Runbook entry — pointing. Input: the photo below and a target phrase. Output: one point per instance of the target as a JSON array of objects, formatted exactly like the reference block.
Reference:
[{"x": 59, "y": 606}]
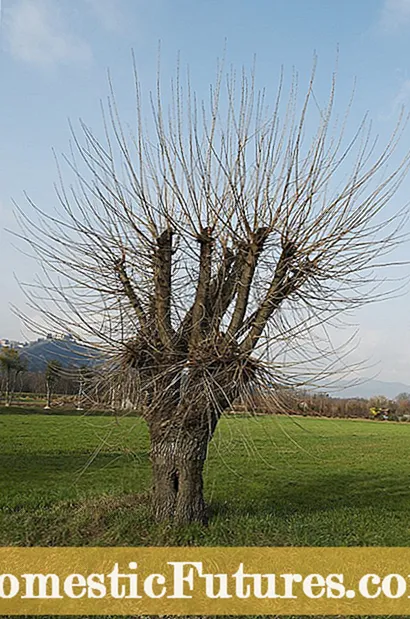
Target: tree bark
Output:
[
  {"x": 190, "y": 504},
  {"x": 181, "y": 424},
  {"x": 165, "y": 486},
  {"x": 177, "y": 467}
]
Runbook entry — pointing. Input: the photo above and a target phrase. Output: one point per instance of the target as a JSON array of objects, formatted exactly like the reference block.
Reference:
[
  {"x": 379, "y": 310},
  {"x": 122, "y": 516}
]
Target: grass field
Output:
[
  {"x": 75, "y": 480},
  {"x": 269, "y": 481}
]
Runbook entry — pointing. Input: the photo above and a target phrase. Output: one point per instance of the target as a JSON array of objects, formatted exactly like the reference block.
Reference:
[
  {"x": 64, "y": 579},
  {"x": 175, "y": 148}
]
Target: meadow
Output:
[{"x": 79, "y": 480}]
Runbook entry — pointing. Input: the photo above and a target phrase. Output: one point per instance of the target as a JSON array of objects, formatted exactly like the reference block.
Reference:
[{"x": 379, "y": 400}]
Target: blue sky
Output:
[{"x": 53, "y": 66}]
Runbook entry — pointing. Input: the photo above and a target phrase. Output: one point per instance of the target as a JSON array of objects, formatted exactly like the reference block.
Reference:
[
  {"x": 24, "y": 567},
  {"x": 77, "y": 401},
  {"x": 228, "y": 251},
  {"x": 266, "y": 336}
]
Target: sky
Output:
[{"x": 54, "y": 58}]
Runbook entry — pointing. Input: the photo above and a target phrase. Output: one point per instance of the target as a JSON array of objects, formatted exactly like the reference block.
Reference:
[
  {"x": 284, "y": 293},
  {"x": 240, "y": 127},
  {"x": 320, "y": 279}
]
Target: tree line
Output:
[
  {"x": 16, "y": 379},
  {"x": 81, "y": 385}
]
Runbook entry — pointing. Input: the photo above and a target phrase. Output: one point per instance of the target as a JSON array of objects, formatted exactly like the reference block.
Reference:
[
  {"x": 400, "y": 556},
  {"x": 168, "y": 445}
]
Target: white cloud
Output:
[
  {"x": 107, "y": 12},
  {"x": 395, "y": 14},
  {"x": 36, "y": 33}
]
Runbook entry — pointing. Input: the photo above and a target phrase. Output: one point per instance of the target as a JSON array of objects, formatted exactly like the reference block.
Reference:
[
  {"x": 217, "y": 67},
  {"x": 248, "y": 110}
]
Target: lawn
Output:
[
  {"x": 75, "y": 480},
  {"x": 269, "y": 481}
]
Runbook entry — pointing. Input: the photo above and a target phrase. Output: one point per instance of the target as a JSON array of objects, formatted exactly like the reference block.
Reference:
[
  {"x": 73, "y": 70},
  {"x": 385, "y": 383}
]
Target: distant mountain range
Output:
[
  {"x": 371, "y": 387},
  {"x": 68, "y": 352}
]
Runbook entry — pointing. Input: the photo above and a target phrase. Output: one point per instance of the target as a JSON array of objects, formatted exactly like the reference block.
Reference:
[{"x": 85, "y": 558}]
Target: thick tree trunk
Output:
[
  {"x": 165, "y": 487},
  {"x": 181, "y": 427},
  {"x": 190, "y": 505},
  {"x": 178, "y": 478}
]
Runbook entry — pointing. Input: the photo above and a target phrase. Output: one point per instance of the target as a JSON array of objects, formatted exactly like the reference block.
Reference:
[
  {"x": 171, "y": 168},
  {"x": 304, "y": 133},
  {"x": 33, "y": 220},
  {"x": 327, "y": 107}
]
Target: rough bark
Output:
[
  {"x": 181, "y": 426},
  {"x": 202, "y": 291},
  {"x": 177, "y": 467},
  {"x": 162, "y": 279},
  {"x": 221, "y": 292},
  {"x": 253, "y": 252},
  {"x": 165, "y": 485}
]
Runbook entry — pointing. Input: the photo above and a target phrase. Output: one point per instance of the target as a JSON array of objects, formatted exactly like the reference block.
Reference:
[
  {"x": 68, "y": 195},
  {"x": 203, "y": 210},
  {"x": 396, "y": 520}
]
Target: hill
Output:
[
  {"x": 67, "y": 351},
  {"x": 371, "y": 387}
]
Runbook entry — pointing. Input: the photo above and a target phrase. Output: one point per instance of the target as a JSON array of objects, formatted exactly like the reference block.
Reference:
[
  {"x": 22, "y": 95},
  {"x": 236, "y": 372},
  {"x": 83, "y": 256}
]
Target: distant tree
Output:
[
  {"x": 403, "y": 403},
  {"x": 379, "y": 401},
  {"x": 12, "y": 365},
  {"x": 52, "y": 375},
  {"x": 32, "y": 382},
  {"x": 84, "y": 376}
]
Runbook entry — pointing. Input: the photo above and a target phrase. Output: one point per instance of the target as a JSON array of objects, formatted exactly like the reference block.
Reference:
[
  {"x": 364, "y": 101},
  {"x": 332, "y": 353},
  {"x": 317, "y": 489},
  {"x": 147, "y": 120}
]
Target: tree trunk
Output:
[
  {"x": 7, "y": 394},
  {"x": 48, "y": 397},
  {"x": 181, "y": 427},
  {"x": 178, "y": 478},
  {"x": 190, "y": 505}
]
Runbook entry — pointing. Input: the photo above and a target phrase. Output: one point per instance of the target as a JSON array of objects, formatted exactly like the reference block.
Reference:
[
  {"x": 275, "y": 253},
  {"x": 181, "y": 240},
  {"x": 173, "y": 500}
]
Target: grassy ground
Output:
[
  {"x": 269, "y": 481},
  {"x": 36, "y": 408},
  {"x": 74, "y": 480}
]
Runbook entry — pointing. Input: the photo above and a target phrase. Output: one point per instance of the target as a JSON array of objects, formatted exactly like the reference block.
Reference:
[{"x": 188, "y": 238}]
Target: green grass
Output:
[
  {"x": 21, "y": 408},
  {"x": 269, "y": 481},
  {"x": 75, "y": 480}
]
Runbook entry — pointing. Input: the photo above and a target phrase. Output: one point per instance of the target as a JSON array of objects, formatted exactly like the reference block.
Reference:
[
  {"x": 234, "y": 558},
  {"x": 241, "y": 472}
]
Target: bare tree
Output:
[
  {"x": 204, "y": 250},
  {"x": 52, "y": 374},
  {"x": 12, "y": 366}
]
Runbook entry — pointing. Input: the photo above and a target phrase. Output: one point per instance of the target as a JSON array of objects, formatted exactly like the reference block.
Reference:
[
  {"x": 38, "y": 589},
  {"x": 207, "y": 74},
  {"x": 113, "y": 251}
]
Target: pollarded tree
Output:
[{"x": 204, "y": 251}]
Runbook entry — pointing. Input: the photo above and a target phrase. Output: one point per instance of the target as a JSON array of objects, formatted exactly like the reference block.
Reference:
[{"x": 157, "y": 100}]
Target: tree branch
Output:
[
  {"x": 202, "y": 291},
  {"x": 244, "y": 286},
  {"x": 129, "y": 290},
  {"x": 162, "y": 279},
  {"x": 284, "y": 282}
]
